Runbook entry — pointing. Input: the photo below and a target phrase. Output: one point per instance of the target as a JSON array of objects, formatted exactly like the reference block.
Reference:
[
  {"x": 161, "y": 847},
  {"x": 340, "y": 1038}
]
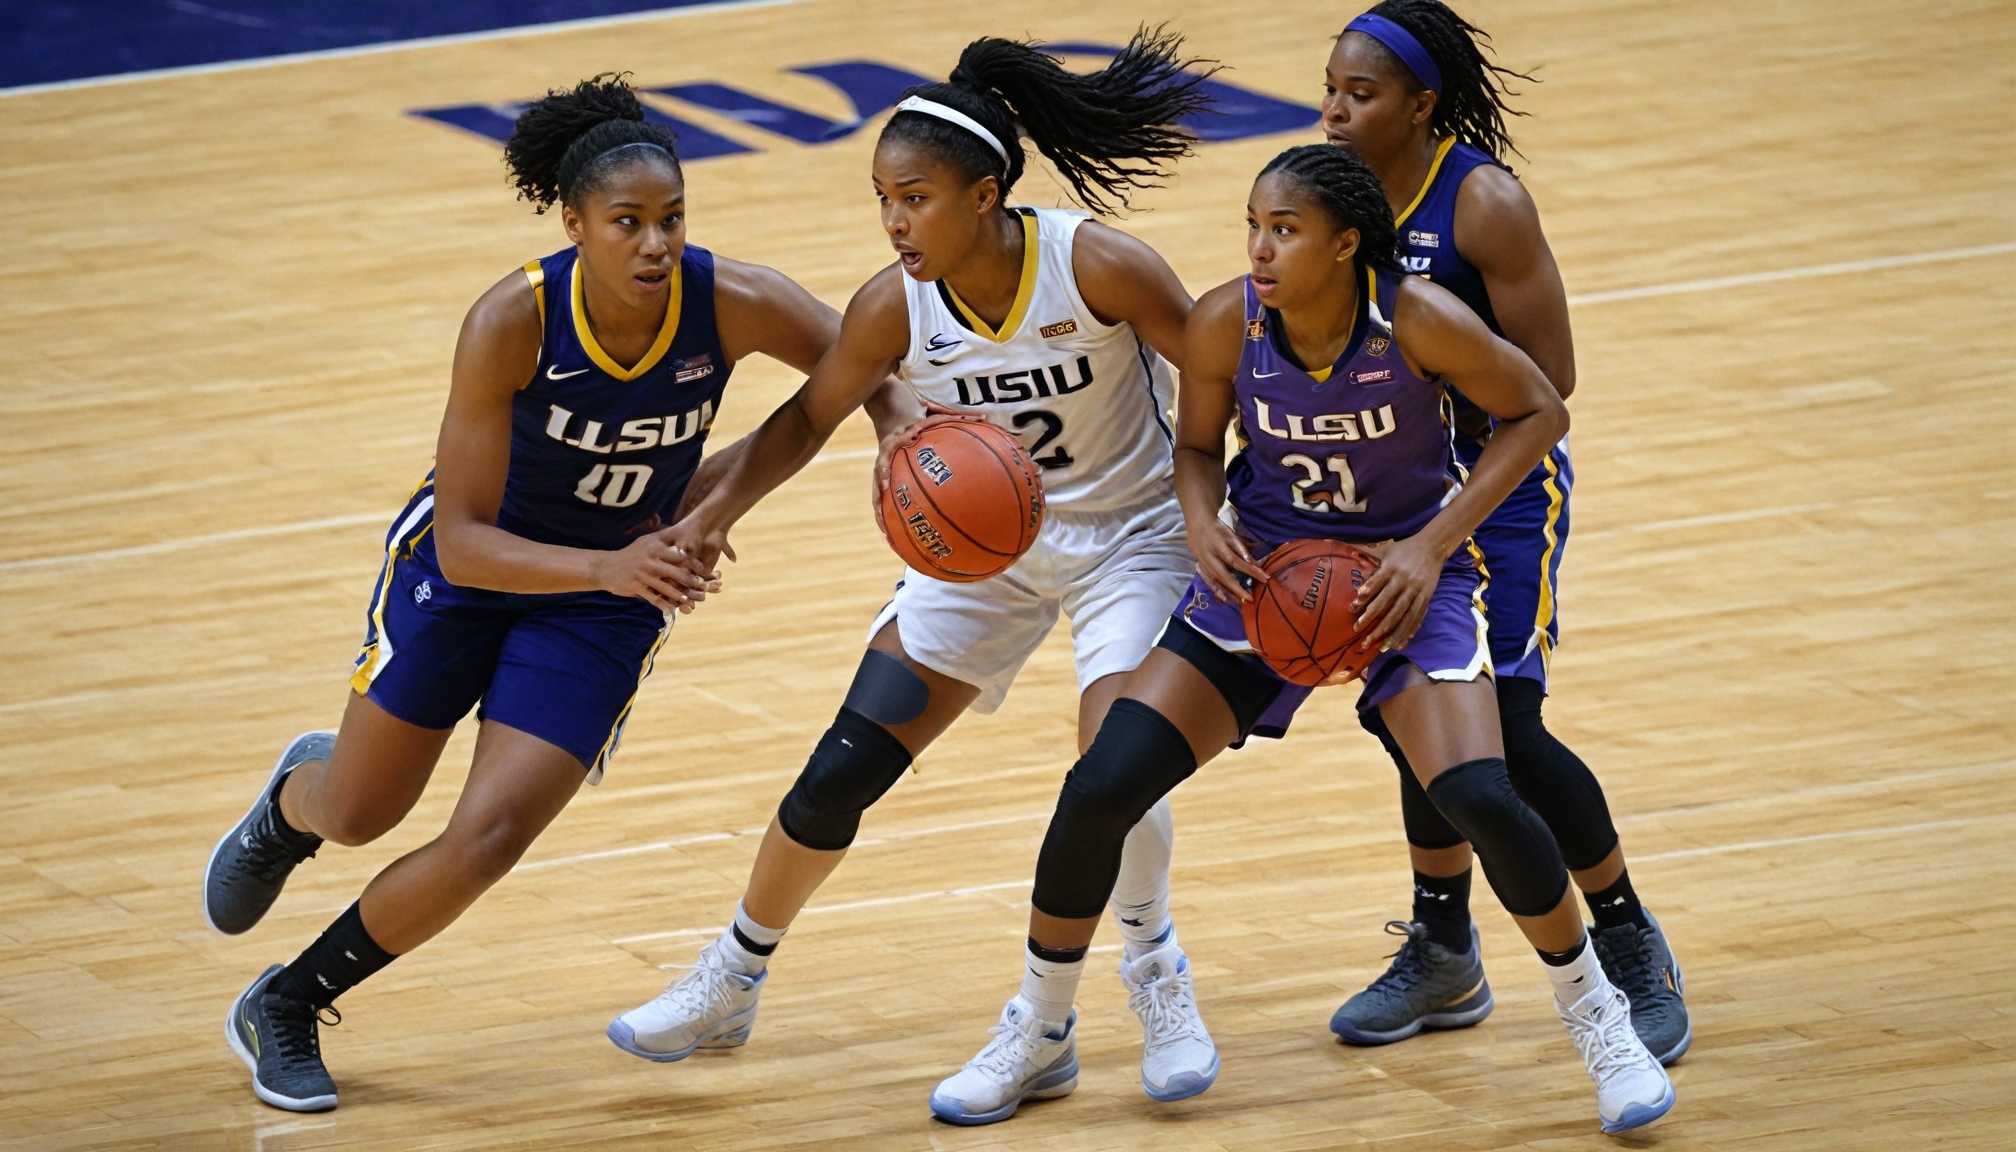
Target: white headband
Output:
[{"x": 953, "y": 116}]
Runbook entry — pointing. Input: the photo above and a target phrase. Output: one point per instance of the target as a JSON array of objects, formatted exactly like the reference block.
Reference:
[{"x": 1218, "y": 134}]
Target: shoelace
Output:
[
  {"x": 1408, "y": 968},
  {"x": 269, "y": 853},
  {"x": 1169, "y": 1009},
  {"x": 1007, "y": 1054},
  {"x": 702, "y": 988},
  {"x": 1605, "y": 1039},
  {"x": 295, "y": 1036}
]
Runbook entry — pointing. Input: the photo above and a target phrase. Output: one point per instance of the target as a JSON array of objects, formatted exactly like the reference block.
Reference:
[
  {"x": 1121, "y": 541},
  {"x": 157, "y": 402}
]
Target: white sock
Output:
[
  {"x": 751, "y": 963},
  {"x": 1051, "y": 986},
  {"x": 1578, "y": 977},
  {"x": 1141, "y": 895}
]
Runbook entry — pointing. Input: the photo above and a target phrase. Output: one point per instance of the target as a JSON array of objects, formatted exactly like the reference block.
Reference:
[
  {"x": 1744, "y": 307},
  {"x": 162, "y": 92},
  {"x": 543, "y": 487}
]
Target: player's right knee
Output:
[
  {"x": 1137, "y": 758},
  {"x": 855, "y": 762},
  {"x": 1520, "y": 858}
]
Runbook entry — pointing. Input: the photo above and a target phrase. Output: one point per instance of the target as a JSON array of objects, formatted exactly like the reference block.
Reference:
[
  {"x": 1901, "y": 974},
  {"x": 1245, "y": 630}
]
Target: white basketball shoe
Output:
[
  {"x": 712, "y": 1006},
  {"x": 1178, "y": 1059},
  {"x": 1632, "y": 1090},
  {"x": 1028, "y": 1059}
]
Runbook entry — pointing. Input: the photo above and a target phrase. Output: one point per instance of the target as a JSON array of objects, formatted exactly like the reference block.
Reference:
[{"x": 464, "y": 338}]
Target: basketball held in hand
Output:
[
  {"x": 964, "y": 500},
  {"x": 1300, "y": 620}
]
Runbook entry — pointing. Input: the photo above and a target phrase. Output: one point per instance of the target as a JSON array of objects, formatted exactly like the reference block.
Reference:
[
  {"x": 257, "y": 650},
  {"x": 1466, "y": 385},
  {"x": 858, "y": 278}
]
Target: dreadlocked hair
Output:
[
  {"x": 1350, "y": 194},
  {"x": 1471, "y": 106},
  {"x": 1108, "y": 133},
  {"x": 571, "y": 141}
]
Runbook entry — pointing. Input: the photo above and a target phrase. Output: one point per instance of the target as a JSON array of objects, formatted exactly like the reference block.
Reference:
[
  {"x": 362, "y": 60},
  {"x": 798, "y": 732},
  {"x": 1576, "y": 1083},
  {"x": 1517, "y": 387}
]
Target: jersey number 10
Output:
[{"x": 614, "y": 485}]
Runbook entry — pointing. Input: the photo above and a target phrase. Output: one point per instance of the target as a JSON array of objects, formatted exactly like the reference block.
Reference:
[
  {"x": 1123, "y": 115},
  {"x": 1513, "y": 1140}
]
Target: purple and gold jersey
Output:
[{"x": 1356, "y": 451}]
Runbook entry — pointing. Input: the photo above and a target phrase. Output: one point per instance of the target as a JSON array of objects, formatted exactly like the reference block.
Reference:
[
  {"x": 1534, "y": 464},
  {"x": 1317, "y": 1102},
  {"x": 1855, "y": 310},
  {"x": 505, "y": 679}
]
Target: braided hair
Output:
[
  {"x": 1351, "y": 195},
  {"x": 1471, "y": 106},
  {"x": 1107, "y": 133},
  {"x": 569, "y": 143}
]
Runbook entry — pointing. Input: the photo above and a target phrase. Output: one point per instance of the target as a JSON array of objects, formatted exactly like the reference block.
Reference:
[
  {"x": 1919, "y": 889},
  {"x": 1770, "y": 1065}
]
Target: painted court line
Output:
[
  {"x": 1808, "y": 272},
  {"x": 1710, "y": 850},
  {"x": 390, "y": 46}
]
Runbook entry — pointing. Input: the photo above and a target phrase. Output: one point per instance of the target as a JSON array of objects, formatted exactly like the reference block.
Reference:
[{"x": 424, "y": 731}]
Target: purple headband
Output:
[{"x": 1404, "y": 45}]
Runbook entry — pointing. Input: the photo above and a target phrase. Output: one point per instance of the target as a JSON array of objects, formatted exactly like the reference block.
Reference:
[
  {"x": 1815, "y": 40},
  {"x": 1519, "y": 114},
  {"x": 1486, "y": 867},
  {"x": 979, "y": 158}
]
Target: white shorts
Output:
[{"x": 1116, "y": 575}]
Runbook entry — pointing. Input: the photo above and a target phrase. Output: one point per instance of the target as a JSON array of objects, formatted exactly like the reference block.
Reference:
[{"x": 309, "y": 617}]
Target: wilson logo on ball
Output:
[
  {"x": 964, "y": 500},
  {"x": 934, "y": 466}
]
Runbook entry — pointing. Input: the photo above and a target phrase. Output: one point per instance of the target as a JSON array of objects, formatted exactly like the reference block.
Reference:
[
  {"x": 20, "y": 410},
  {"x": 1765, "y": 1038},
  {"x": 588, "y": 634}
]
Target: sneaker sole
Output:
[
  {"x": 1184, "y": 1085},
  {"x": 1639, "y": 1115},
  {"x": 279, "y": 767},
  {"x": 625, "y": 1037},
  {"x": 237, "y": 1043},
  {"x": 1058, "y": 1082},
  {"x": 1441, "y": 1021}
]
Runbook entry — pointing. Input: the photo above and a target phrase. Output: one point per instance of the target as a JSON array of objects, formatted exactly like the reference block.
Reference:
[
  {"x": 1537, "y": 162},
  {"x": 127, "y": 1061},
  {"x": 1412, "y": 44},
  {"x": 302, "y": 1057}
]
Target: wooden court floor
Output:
[{"x": 1790, "y": 647}]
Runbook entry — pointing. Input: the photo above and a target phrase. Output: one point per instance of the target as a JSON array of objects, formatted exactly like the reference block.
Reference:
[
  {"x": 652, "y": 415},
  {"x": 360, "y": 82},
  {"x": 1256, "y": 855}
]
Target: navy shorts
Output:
[
  {"x": 564, "y": 667},
  {"x": 1522, "y": 542}
]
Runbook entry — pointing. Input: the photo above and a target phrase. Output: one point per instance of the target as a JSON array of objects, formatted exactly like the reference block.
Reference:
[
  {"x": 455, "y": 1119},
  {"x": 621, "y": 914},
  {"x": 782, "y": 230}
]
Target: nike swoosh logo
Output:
[
  {"x": 938, "y": 343},
  {"x": 554, "y": 373},
  {"x": 1265, "y": 375}
]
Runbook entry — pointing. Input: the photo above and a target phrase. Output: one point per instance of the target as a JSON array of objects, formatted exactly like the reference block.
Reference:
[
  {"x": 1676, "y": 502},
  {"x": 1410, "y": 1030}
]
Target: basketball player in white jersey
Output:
[{"x": 1058, "y": 329}]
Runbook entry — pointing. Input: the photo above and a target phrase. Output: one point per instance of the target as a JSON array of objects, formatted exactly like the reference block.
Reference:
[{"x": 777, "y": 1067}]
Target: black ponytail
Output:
[
  {"x": 1107, "y": 133},
  {"x": 1471, "y": 106},
  {"x": 569, "y": 143},
  {"x": 1350, "y": 194}
]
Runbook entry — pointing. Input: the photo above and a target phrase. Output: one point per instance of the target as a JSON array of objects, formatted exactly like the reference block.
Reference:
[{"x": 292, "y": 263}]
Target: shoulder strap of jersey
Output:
[{"x": 535, "y": 274}]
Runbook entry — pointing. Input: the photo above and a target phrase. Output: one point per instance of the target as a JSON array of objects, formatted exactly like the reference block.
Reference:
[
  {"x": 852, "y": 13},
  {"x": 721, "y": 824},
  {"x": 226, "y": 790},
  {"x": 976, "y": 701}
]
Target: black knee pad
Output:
[
  {"x": 855, "y": 762},
  {"x": 1426, "y": 826},
  {"x": 1135, "y": 760},
  {"x": 1551, "y": 778},
  {"x": 1519, "y": 855}
]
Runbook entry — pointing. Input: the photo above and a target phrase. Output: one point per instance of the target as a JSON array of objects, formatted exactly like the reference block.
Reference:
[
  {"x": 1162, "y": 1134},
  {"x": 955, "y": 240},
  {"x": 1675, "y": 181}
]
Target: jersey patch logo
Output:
[
  {"x": 1256, "y": 329},
  {"x": 1378, "y": 377},
  {"x": 1052, "y": 331},
  {"x": 693, "y": 368},
  {"x": 1377, "y": 346},
  {"x": 1424, "y": 239}
]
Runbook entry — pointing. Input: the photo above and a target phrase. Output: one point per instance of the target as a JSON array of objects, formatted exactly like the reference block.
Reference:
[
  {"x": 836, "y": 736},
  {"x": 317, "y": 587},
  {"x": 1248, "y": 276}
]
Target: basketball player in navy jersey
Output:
[
  {"x": 1049, "y": 325},
  {"x": 528, "y": 571},
  {"x": 1334, "y": 366},
  {"x": 1408, "y": 89}
]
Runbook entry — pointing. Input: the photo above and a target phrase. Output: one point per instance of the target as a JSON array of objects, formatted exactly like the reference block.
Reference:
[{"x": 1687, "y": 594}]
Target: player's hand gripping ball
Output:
[
  {"x": 964, "y": 500},
  {"x": 1300, "y": 620}
]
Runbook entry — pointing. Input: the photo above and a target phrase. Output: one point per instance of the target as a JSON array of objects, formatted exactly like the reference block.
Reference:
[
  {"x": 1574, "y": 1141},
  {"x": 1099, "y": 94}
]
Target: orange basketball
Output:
[
  {"x": 1300, "y": 621},
  {"x": 964, "y": 500}
]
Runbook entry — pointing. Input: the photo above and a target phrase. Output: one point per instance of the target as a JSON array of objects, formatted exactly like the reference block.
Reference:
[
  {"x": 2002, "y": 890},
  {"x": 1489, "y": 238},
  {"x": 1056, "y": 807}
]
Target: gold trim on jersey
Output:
[
  {"x": 535, "y": 274},
  {"x": 666, "y": 330},
  {"x": 1322, "y": 375},
  {"x": 1543, "y": 613},
  {"x": 1441, "y": 151},
  {"x": 1024, "y": 291},
  {"x": 608, "y": 750},
  {"x": 377, "y": 651}
]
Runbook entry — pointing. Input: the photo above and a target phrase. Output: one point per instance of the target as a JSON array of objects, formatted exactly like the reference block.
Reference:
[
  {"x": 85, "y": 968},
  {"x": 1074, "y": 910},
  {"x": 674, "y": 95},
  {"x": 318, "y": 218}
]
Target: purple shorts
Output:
[{"x": 1451, "y": 644}]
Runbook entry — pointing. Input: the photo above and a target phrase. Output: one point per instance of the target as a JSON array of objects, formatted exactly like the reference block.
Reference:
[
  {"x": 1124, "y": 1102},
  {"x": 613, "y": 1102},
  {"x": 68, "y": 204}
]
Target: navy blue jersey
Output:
[
  {"x": 599, "y": 450},
  {"x": 1428, "y": 229},
  {"x": 1357, "y": 450}
]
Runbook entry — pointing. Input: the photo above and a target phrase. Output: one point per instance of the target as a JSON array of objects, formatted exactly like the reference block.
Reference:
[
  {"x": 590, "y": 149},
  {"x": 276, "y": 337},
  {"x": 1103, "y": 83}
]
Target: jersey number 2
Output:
[
  {"x": 1053, "y": 427},
  {"x": 1345, "y": 499},
  {"x": 614, "y": 485}
]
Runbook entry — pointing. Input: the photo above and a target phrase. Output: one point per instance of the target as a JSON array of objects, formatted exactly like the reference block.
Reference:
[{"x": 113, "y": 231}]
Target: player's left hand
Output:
[
  {"x": 1394, "y": 600},
  {"x": 698, "y": 548}
]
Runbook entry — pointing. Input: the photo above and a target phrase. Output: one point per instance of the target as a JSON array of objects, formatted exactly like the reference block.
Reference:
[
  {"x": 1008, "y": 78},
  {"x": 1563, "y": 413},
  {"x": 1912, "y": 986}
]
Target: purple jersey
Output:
[{"x": 1361, "y": 455}]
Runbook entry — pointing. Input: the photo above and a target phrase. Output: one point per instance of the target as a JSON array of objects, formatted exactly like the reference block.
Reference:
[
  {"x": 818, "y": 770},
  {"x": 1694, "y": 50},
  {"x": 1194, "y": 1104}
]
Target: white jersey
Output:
[{"x": 1090, "y": 401}]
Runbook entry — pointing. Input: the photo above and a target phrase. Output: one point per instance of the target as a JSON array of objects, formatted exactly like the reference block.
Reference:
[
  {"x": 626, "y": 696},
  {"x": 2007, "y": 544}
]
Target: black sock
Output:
[
  {"x": 1563, "y": 959},
  {"x": 1055, "y": 955},
  {"x": 343, "y": 957},
  {"x": 751, "y": 946},
  {"x": 1443, "y": 904},
  {"x": 1618, "y": 904}
]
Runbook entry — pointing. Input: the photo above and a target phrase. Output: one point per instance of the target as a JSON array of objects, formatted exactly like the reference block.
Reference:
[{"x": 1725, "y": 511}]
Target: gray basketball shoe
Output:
[
  {"x": 1426, "y": 986},
  {"x": 277, "y": 1038},
  {"x": 251, "y": 863},
  {"x": 1640, "y": 963}
]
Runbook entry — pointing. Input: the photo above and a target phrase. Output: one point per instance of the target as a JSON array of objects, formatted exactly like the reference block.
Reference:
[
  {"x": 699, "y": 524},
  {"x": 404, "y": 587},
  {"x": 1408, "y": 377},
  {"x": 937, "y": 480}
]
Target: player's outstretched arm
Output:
[
  {"x": 495, "y": 355},
  {"x": 1441, "y": 336},
  {"x": 1124, "y": 280},
  {"x": 1205, "y": 405},
  {"x": 874, "y": 335}
]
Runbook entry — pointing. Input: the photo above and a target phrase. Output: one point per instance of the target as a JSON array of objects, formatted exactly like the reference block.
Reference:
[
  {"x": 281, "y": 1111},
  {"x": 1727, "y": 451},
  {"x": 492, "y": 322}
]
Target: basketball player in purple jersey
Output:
[
  {"x": 1408, "y": 90},
  {"x": 1335, "y": 366}
]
